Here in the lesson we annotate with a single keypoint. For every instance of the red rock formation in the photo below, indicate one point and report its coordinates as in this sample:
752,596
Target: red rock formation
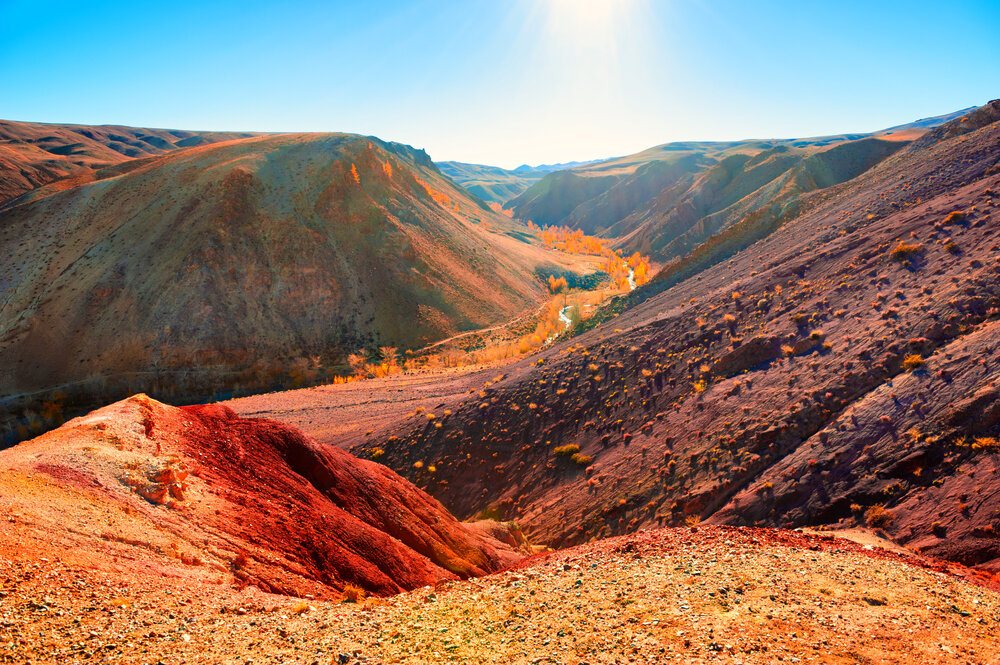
252,497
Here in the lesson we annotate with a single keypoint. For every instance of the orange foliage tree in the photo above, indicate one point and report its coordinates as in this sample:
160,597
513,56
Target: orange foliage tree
575,241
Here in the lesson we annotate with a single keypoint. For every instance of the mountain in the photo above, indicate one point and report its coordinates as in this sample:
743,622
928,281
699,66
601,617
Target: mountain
245,265
33,154
254,501
494,184
831,365
667,199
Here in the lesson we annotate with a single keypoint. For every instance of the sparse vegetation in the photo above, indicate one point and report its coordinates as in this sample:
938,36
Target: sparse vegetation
956,217
905,253
878,517
567,450
353,594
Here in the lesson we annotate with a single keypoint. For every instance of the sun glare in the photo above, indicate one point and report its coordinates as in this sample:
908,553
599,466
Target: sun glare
589,19
588,11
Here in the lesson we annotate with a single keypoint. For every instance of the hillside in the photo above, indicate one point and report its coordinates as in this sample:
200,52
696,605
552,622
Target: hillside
711,595
253,501
668,199
682,216
33,154
497,185
836,369
248,264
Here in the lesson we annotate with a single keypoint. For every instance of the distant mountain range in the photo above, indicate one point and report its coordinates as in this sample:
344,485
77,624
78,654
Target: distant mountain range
494,184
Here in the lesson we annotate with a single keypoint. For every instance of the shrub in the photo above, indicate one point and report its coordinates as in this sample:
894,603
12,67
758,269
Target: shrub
955,217
568,450
700,386
582,460
913,361
985,442
904,252
878,517
353,594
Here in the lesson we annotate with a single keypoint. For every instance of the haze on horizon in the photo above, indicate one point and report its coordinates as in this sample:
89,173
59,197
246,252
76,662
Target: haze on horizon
504,83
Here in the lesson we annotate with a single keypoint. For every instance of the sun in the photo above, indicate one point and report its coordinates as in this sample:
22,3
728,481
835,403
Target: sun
588,15
588,11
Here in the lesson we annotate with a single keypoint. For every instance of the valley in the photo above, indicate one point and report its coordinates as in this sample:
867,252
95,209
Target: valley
306,397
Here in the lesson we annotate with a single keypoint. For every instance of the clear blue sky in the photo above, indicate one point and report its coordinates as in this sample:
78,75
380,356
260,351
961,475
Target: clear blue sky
501,81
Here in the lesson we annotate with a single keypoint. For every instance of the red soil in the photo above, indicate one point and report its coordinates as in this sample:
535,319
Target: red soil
255,498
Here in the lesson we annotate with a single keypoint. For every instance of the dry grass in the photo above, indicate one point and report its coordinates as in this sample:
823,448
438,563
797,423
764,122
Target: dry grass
353,594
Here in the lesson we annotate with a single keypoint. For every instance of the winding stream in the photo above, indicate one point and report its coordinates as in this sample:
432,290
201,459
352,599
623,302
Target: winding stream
565,319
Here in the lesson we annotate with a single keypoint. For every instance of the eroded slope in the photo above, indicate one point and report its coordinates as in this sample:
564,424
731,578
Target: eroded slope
231,501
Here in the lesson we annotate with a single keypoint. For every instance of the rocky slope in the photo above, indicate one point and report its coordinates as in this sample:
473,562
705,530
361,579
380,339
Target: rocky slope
696,596
840,368
247,264
33,154
252,501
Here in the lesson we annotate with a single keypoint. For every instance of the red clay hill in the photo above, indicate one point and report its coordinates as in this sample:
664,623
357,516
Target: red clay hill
238,500
835,365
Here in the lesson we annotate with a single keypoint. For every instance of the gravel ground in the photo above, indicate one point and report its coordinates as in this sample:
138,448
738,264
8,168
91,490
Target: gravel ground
714,595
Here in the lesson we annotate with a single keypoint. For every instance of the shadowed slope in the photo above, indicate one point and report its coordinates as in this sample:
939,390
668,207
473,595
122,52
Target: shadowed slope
842,365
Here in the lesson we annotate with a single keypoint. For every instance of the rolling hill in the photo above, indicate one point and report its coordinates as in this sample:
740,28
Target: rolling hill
247,264
666,200
33,154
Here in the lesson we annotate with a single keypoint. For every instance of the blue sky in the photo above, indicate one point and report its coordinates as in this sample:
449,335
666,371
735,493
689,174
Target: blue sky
501,81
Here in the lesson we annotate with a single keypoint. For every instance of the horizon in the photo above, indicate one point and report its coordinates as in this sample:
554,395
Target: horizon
593,160
504,84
